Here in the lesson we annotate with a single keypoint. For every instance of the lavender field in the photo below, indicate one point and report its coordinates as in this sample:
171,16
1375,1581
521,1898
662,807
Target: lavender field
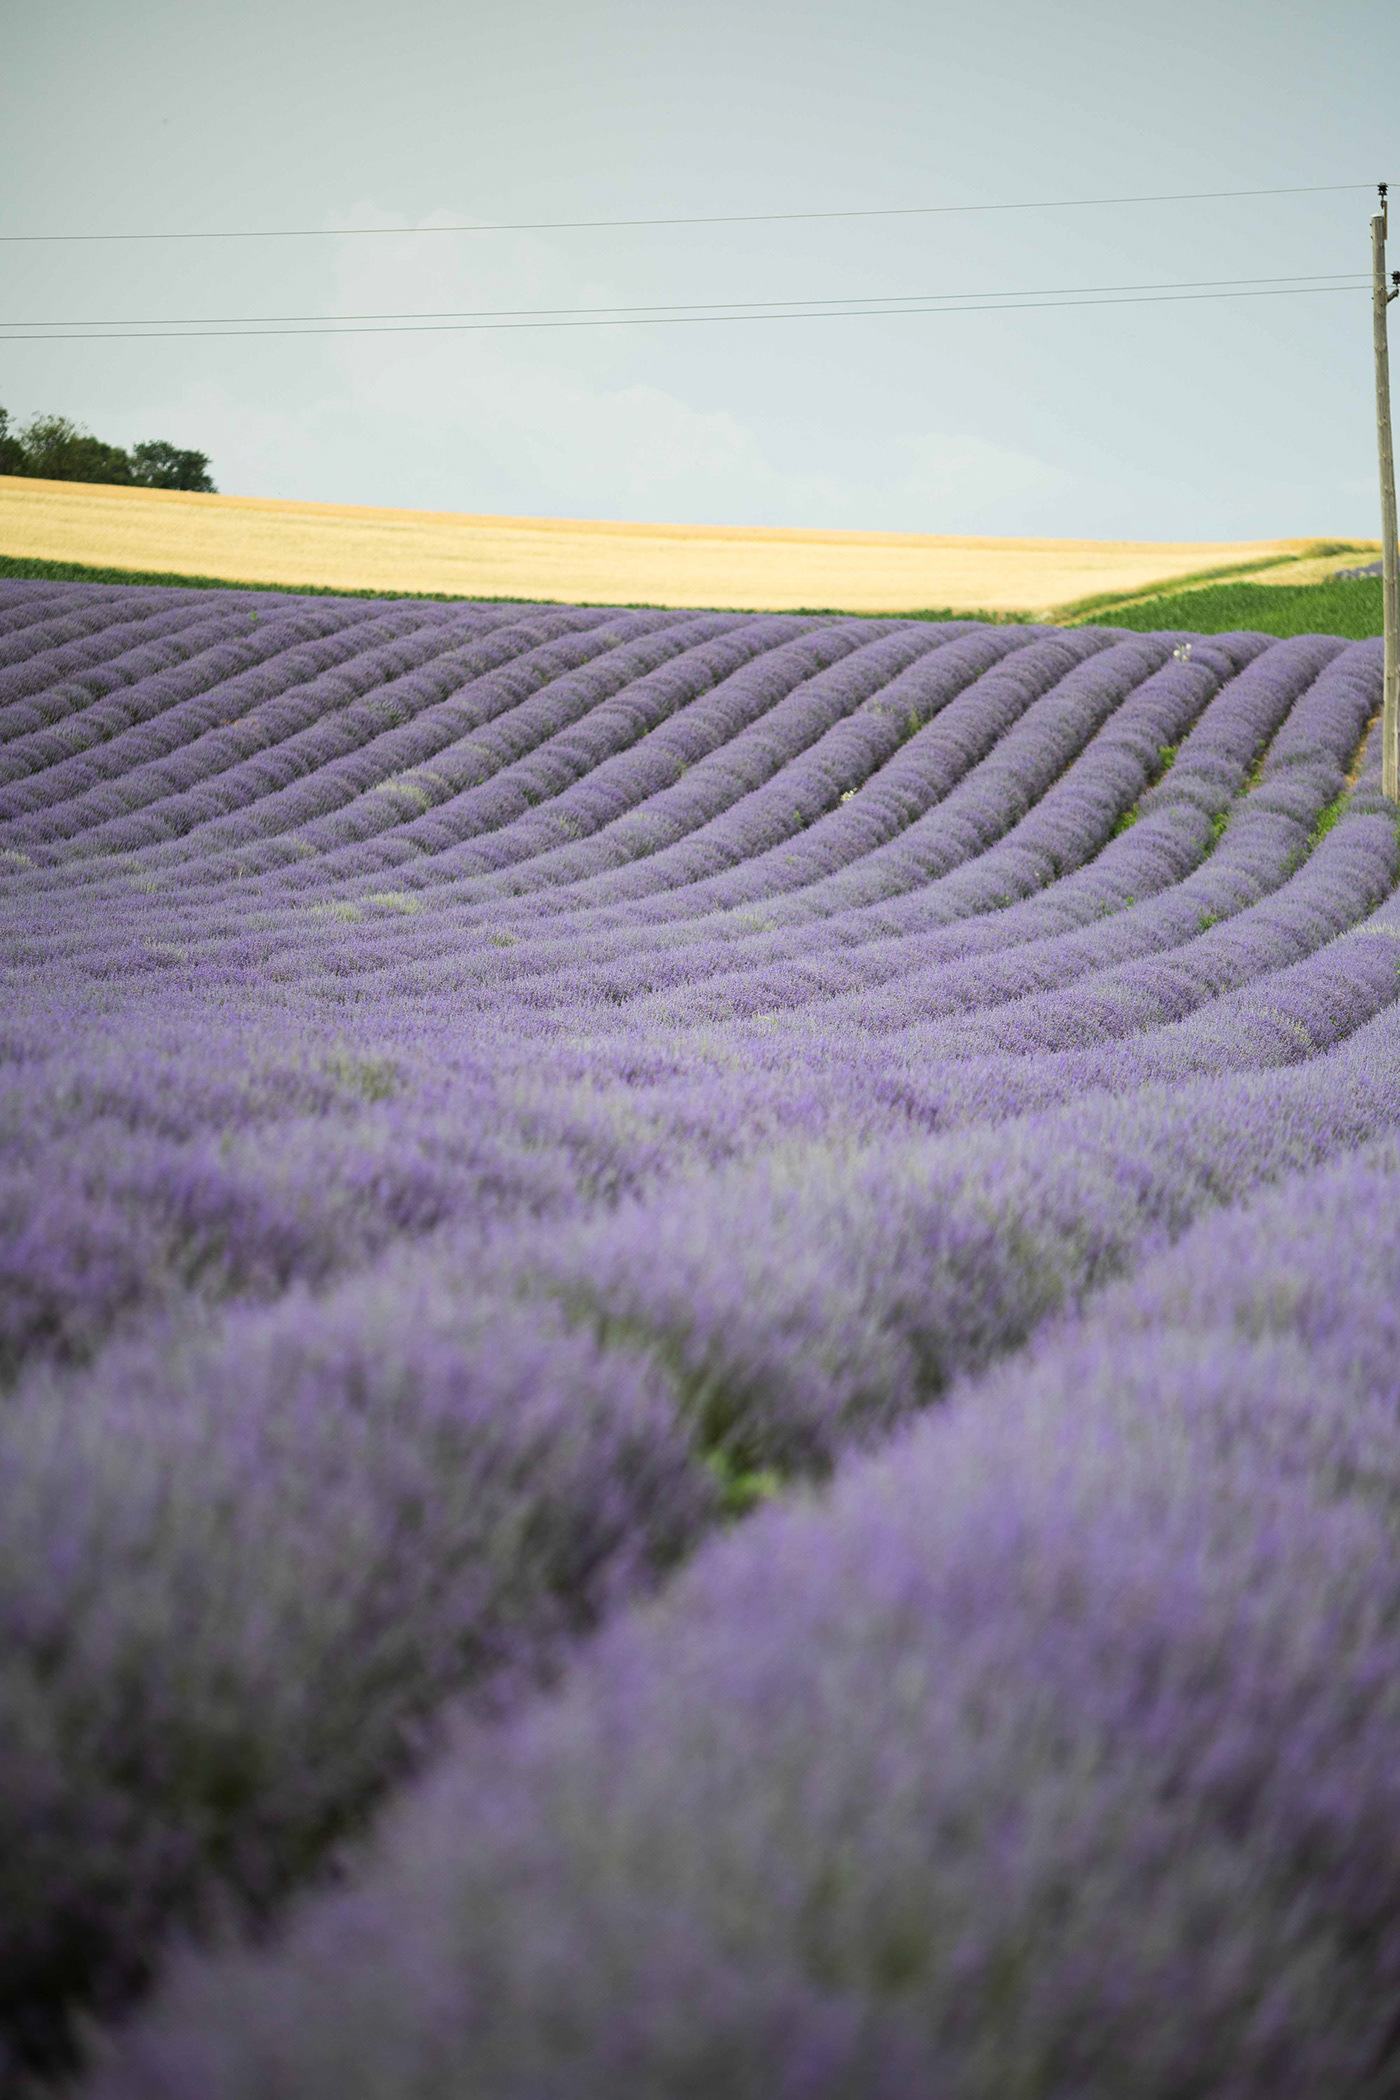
700,1318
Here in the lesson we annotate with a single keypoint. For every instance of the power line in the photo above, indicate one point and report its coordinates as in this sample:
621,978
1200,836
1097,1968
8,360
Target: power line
668,320
718,309
747,218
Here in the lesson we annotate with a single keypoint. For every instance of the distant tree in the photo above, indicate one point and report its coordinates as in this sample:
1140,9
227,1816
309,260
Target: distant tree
55,448
156,465
58,449
11,450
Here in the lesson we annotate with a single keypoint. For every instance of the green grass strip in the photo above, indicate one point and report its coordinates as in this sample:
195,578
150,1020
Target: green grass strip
29,568
1351,609
1078,610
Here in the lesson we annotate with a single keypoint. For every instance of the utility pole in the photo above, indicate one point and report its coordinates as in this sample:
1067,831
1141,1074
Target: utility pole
1390,684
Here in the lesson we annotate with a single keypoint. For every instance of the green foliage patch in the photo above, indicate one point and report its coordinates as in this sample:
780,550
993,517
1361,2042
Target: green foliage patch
1351,609
55,448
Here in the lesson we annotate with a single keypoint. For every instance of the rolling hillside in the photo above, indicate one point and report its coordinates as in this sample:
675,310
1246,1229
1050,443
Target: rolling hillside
698,1316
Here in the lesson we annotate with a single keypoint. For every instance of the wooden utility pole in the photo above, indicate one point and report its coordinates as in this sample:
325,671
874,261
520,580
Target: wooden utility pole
1390,686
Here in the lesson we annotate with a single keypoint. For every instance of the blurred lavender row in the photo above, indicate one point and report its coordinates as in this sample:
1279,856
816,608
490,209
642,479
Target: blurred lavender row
1052,1752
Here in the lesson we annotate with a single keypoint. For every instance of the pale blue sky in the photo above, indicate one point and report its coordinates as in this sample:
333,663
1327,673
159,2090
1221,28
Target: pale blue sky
1215,419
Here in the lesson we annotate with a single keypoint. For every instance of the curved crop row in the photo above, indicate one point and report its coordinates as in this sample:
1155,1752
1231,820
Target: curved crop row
1054,1753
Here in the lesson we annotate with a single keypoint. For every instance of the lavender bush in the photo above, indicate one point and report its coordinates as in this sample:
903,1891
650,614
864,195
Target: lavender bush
491,1095
1052,1752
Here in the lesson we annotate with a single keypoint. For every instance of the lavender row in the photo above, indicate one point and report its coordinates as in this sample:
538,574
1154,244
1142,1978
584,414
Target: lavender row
710,783
25,604
1088,998
136,1199
691,730
1054,1752
1266,833
922,773
931,765
1047,672
159,762
45,687
1291,1011
110,732
274,638
410,714
232,1593
1021,768
752,770
814,1296
200,1147
326,1477
1064,875
39,619
780,802
387,781
571,661
727,1083
1023,763
569,674
1094,788
610,778
38,614
126,694
1059,860
845,759
531,755
140,1208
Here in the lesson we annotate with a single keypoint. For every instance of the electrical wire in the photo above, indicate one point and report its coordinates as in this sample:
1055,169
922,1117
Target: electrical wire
891,302
671,320
747,218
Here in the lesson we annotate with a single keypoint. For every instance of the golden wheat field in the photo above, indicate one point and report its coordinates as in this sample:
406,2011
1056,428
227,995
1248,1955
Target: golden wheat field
250,539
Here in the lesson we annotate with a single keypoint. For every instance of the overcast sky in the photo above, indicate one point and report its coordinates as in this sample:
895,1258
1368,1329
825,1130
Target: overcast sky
1214,418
